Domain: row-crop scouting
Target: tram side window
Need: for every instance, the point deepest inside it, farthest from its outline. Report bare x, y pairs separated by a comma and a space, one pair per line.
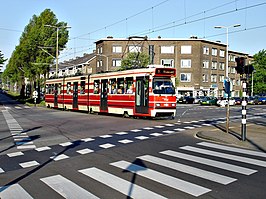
96, 86
113, 89
163, 86
68, 87
82, 87
49, 89
120, 86
129, 85
59, 90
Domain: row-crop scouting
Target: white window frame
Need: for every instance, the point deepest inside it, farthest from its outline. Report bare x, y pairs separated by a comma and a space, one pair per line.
214, 51
117, 49
185, 63
187, 77
214, 65
204, 77
213, 78
221, 78
187, 49
206, 50
167, 49
206, 63
221, 66
168, 63
134, 48
222, 53
116, 62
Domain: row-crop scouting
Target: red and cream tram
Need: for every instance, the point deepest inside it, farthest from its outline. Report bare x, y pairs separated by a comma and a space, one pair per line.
144, 92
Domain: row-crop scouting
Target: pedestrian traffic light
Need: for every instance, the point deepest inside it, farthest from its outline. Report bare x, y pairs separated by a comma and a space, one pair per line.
240, 63
248, 69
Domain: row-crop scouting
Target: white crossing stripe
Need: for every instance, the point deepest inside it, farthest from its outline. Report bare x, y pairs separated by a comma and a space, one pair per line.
189, 170
169, 132
85, 151
125, 187
59, 157
179, 129
213, 163
105, 136
87, 139
1, 170
106, 146
14, 191
125, 141
15, 154
167, 180
45, 148
121, 133
29, 164
226, 156
156, 134
233, 149
66, 188
142, 137
66, 144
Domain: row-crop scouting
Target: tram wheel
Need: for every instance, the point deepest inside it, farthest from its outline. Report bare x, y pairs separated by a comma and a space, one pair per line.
126, 115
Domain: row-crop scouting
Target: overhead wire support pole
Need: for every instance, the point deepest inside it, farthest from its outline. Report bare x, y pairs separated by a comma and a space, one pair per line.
244, 111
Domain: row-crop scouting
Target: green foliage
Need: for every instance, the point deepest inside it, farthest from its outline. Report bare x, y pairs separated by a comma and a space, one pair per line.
134, 60
2, 59
28, 59
260, 73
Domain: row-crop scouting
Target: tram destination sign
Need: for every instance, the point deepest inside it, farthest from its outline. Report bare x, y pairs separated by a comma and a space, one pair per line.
165, 71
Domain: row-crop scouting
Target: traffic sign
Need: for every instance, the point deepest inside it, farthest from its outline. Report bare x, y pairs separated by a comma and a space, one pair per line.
35, 94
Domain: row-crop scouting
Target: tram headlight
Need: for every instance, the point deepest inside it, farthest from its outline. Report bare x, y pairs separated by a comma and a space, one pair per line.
157, 104
173, 104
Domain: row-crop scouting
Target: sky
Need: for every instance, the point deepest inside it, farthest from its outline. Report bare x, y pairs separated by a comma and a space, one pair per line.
93, 20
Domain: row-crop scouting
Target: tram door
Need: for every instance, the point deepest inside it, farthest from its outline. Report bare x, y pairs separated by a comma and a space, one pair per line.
55, 95
142, 95
75, 95
104, 86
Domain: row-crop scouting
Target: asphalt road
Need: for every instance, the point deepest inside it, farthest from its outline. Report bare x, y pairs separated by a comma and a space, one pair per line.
78, 155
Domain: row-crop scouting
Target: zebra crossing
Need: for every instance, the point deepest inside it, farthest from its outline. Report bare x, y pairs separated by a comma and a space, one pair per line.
163, 169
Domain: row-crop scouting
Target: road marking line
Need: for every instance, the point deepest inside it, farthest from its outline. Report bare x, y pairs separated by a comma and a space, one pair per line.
66, 144
167, 180
121, 133
148, 128
168, 132
85, 151
189, 127
126, 141
26, 147
87, 139
1, 170
156, 134
29, 164
45, 148
125, 187
59, 157
15, 154
66, 188
225, 156
213, 163
189, 170
159, 126
142, 137
169, 125
105, 136
136, 130
233, 149
106, 146
178, 129
14, 191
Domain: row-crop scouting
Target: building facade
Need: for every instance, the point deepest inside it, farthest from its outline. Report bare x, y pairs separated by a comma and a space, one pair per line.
200, 64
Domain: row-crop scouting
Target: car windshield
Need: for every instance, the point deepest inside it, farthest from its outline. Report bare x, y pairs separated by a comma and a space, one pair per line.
163, 86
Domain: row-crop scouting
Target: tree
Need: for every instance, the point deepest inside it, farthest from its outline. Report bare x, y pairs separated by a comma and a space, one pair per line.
29, 59
260, 72
135, 60
2, 59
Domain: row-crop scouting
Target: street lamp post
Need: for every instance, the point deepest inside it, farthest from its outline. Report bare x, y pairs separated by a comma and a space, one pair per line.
57, 49
227, 71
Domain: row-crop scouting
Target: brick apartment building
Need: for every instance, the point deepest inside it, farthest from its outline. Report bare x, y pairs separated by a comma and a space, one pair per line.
200, 63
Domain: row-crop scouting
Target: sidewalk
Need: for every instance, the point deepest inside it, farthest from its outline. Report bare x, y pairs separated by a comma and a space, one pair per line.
255, 135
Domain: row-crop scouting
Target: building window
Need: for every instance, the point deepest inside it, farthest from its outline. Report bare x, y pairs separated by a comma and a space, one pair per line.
205, 78
116, 62
185, 63
134, 49
151, 54
232, 57
221, 66
167, 49
214, 51
206, 50
206, 64
99, 63
185, 77
100, 50
221, 78
222, 53
117, 49
186, 49
213, 78
214, 65
233, 70
168, 63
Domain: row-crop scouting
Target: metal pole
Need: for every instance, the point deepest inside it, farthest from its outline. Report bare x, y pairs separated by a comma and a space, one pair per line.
56, 66
227, 77
244, 111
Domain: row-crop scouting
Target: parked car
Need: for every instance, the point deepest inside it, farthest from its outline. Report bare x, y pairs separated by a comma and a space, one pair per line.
252, 100
186, 100
208, 101
198, 99
238, 100
223, 102
262, 100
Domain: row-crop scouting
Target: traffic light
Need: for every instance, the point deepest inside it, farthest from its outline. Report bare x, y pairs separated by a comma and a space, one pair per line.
240, 63
248, 69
